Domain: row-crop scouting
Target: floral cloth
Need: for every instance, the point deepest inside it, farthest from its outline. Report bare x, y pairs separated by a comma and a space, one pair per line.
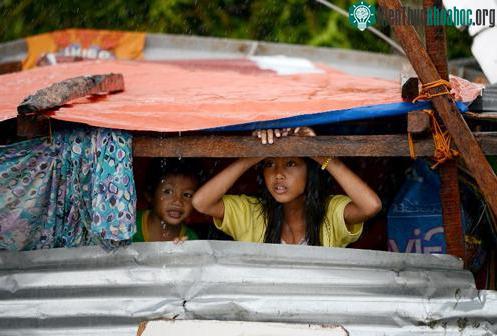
74, 189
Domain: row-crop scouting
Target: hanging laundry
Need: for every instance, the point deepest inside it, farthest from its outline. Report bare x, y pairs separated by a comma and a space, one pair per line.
74, 189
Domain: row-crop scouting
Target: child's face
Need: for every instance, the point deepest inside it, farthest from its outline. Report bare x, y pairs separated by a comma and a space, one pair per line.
172, 201
285, 178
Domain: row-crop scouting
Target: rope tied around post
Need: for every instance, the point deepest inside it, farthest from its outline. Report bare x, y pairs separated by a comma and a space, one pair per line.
441, 140
425, 90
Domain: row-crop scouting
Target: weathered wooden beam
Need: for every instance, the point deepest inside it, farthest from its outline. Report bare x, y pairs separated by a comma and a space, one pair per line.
31, 126
466, 144
418, 122
451, 209
60, 93
247, 146
436, 44
8, 67
449, 188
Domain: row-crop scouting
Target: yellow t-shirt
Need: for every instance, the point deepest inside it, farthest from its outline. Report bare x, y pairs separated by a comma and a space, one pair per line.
244, 221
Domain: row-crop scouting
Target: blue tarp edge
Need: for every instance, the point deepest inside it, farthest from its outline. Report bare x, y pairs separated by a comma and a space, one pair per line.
335, 116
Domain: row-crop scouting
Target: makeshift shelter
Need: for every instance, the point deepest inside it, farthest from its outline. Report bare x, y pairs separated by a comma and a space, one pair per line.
195, 109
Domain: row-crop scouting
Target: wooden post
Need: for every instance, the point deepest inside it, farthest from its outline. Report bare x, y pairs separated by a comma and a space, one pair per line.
466, 143
418, 123
436, 44
436, 47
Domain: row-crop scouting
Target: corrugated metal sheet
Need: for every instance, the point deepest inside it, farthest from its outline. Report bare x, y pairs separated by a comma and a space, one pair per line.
238, 328
181, 47
87, 291
487, 102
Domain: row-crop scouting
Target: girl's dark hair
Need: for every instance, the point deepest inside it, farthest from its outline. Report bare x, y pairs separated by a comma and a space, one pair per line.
316, 193
163, 167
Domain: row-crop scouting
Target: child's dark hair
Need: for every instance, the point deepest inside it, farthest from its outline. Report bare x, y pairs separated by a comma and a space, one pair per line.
164, 167
316, 193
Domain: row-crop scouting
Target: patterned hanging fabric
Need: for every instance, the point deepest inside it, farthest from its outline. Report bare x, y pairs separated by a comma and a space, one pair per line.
74, 189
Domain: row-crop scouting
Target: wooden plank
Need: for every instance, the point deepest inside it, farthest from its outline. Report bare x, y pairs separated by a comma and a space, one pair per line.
60, 93
490, 116
466, 144
247, 146
449, 188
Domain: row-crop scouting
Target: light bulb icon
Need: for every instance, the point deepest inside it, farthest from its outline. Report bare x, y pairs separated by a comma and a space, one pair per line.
362, 15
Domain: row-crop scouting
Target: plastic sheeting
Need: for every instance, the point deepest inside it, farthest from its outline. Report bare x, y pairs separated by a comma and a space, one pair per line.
84, 43
182, 96
87, 291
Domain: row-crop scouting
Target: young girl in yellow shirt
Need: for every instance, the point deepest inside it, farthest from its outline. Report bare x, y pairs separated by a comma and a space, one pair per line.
293, 208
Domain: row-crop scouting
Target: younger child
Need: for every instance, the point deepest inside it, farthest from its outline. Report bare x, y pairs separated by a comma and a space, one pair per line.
170, 194
293, 207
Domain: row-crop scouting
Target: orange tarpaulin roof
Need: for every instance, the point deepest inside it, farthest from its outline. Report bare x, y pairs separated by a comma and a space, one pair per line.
189, 95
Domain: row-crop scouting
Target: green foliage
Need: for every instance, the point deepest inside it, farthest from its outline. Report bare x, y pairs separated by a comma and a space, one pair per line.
289, 21
458, 43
